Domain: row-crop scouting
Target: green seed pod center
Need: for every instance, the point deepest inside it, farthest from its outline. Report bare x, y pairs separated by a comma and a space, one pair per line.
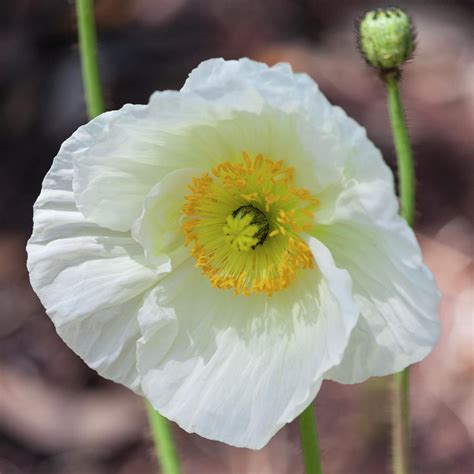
246, 228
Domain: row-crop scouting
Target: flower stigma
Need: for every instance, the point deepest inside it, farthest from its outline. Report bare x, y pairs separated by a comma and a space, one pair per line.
246, 228
244, 219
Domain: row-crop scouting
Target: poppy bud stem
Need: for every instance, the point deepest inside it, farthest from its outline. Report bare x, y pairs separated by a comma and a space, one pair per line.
386, 38
406, 178
401, 141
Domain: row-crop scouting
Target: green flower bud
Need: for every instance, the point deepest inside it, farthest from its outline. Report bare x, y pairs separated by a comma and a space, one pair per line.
386, 38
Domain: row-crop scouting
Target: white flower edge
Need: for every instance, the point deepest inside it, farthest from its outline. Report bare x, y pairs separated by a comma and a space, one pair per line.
89, 279
396, 294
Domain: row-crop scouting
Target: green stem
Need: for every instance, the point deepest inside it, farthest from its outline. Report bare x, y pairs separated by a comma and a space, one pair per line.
95, 106
401, 422
406, 172
88, 50
163, 439
309, 441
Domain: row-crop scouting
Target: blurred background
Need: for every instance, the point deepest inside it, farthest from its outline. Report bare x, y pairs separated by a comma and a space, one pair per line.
59, 417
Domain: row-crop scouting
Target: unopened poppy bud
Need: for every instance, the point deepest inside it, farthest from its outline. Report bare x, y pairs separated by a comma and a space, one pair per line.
386, 38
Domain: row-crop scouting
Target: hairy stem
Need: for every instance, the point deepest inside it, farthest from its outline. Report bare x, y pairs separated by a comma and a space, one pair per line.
406, 173
406, 170
309, 441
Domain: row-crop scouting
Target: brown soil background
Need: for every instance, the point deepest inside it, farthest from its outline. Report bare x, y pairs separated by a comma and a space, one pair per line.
59, 417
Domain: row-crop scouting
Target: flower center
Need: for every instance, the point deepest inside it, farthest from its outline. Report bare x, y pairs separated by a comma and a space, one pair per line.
244, 219
246, 228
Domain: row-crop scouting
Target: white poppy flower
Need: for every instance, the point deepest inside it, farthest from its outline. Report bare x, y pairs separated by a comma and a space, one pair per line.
226, 247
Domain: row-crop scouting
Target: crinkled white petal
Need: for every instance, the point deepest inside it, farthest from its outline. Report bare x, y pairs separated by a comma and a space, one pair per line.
366, 185
239, 368
397, 296
232, 82
131, 152
395, 291
238, 84
90, 279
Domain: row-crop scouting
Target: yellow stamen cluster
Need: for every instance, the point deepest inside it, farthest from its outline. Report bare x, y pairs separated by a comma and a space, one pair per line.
243, 220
